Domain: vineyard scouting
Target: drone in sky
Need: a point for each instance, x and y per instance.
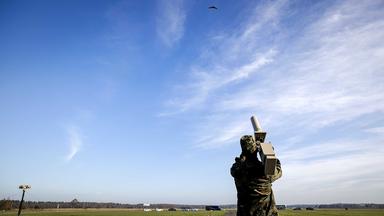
(212, 7)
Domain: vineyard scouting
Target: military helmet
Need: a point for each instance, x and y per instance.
(248, 144)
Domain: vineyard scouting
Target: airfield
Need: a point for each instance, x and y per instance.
(129, 212)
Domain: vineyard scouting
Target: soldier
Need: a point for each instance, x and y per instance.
(254, 188)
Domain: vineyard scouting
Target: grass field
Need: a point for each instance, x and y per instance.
(124, 212)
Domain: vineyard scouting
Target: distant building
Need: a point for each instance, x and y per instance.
(75, 203)
(185, 208)
(212, 208)
(146, 207)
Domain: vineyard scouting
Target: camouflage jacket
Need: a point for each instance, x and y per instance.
(254, 189)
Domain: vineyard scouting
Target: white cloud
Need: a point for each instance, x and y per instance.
(340, 168)
(222, 135)
(339, 80)
(375, 130)
(332, 73)
(207, 81)
(75, 142)
(170, 21)
(230, 58)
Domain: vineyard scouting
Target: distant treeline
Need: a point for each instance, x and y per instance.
(8, 204)
(353, 206)
(342, 206)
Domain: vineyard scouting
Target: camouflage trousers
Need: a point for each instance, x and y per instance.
(255, 211)
(260, 206)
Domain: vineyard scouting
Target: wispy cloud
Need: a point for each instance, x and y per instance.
(229, 59)
(75, 142)
(208, 80)
(375, 130)
(338, 78)
(170, 21)
(342, 167)
(222, 131)
(331, 73)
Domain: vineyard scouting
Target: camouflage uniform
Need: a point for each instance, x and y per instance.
(254, 189)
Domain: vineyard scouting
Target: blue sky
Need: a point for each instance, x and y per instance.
(145, 101)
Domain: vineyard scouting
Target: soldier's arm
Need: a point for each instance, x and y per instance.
(236, 168)
(278, 171)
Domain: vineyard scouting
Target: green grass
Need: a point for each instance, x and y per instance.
(333, 212)
(123, 212)
(114, 212)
